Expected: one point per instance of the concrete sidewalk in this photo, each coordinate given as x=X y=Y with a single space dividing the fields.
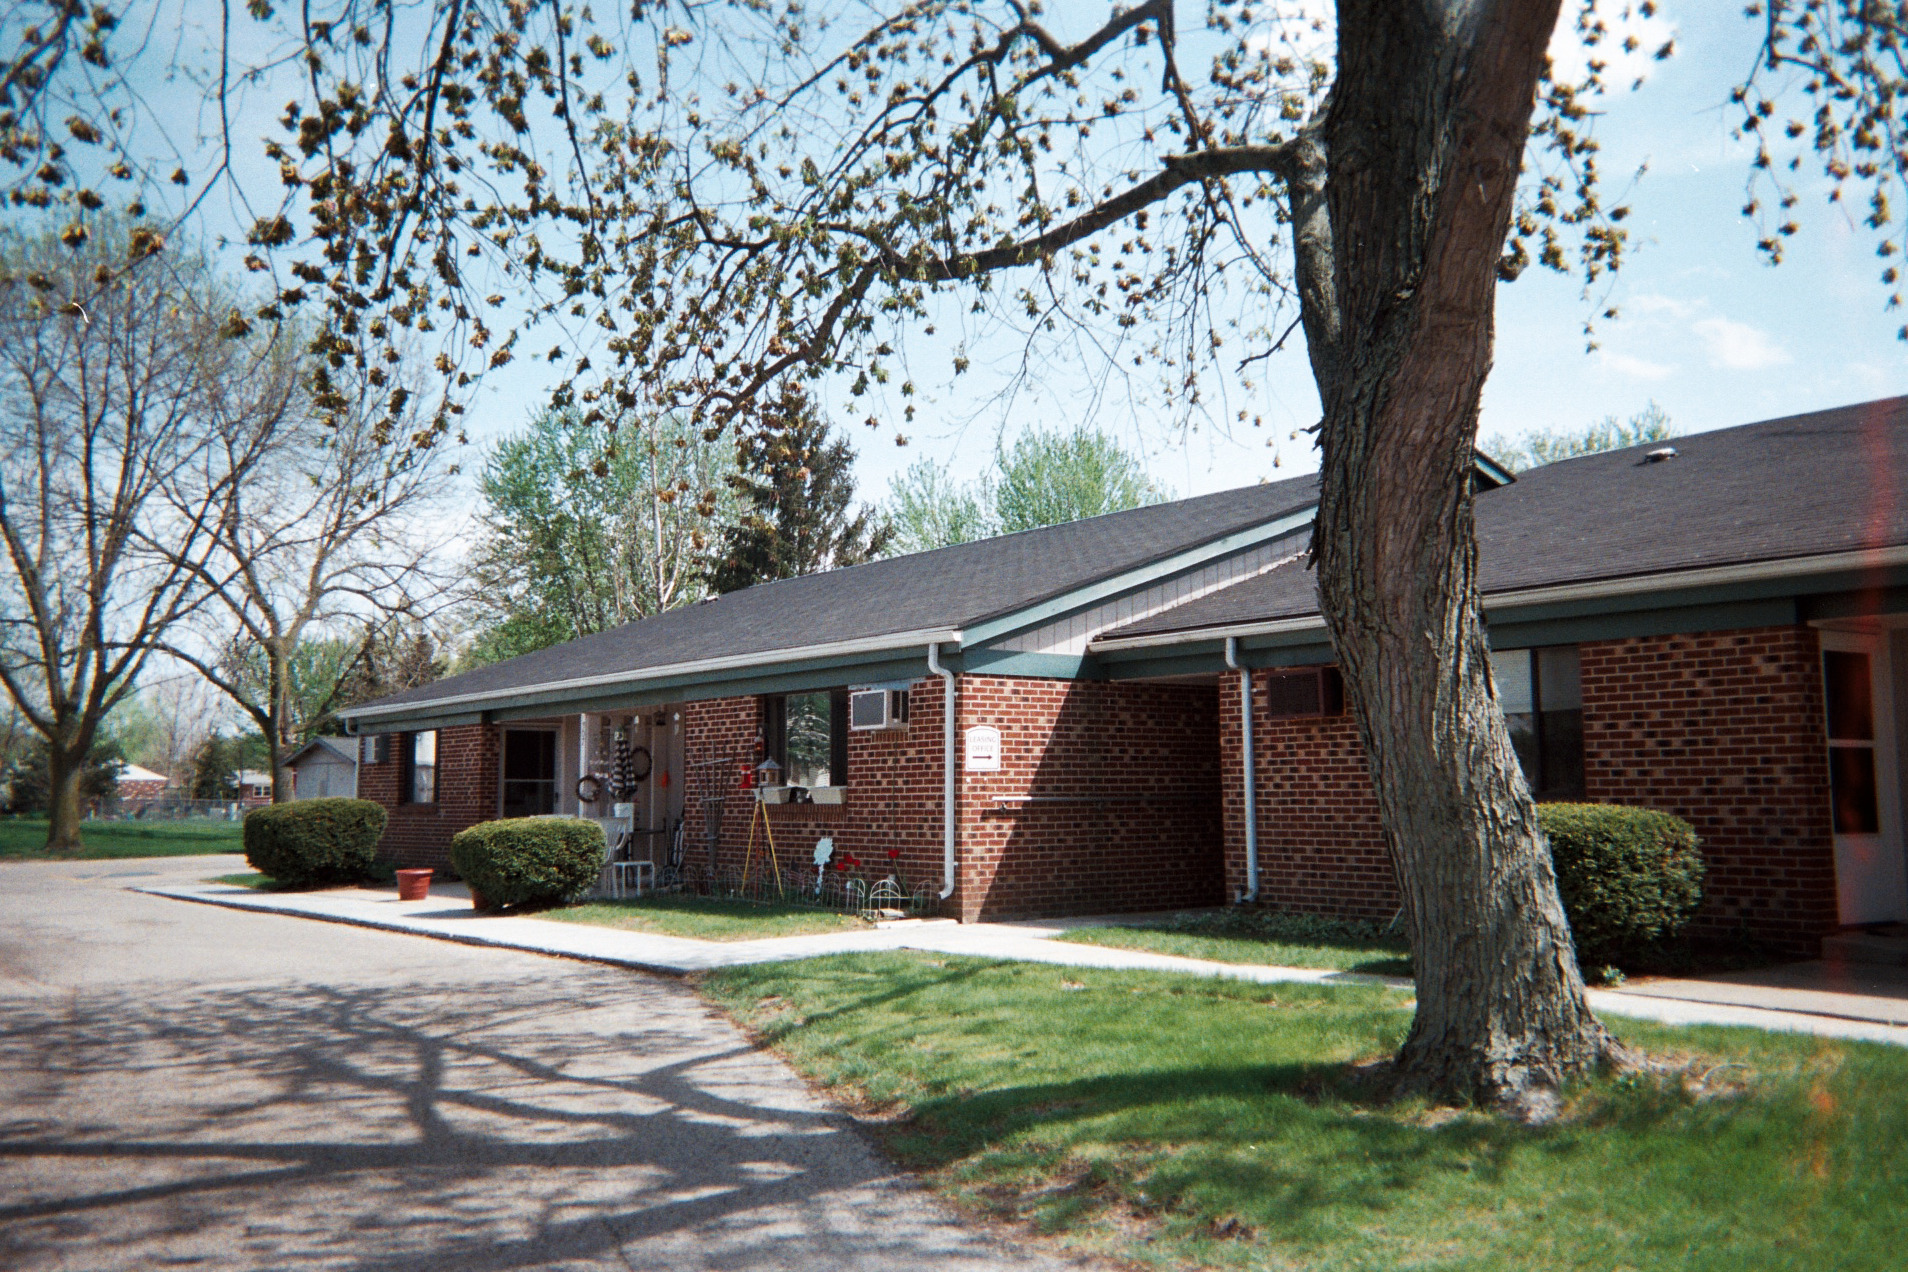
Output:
x=1795 y=1000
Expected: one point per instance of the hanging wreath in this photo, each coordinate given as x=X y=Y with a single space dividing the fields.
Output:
x=589 y=788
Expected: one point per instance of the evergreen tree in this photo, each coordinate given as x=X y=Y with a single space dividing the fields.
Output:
x=29 y=780
x=796 y=486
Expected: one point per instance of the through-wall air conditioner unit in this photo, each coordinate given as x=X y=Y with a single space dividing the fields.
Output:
x=878 y=710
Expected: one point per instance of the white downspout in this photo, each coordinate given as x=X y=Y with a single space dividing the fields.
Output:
x=1251 y=797
x=947 y=771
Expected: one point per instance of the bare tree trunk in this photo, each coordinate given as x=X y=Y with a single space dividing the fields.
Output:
x=273 y=721
x=1425 y=134
x=64 y=773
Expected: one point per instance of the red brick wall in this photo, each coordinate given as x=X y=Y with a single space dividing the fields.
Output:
x=1123 y=777
x=1723 y=729
x=893 y=801
x=1107 y=798
x=417 y=835
x=1726 y=731
x=1320 y=846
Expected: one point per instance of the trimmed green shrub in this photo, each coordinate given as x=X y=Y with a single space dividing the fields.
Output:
x=529 y=860
x=314 y=840
x=1629 y=876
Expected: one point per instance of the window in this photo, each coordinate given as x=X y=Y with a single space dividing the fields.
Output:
x=807 y=734
x=1542 y=698
x=1848 y=684
x=1304 y=691
x=419 y=779
x=529 y=772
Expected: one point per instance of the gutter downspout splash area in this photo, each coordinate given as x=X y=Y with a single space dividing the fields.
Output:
x=1251 y=795
x=947 y=771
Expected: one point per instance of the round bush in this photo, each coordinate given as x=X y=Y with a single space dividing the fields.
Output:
x=1628 y=876
x=529 y=860
x=314 y=840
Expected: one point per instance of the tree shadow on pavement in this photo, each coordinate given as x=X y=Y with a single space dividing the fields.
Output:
x=592 y=1117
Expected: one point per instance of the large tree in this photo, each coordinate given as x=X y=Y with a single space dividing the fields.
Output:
x=327 y=532
x=797 y=195
x=130 y=412
x=588 y=527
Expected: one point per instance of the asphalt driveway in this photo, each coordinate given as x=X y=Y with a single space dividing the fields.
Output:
x=182 y=1085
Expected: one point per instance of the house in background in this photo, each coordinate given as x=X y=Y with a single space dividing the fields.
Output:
x=137 y=785
x=253 y=786
x=1140 y=711
x=325 y=768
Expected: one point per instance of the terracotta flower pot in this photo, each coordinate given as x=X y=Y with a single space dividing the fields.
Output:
x=414 y=885
x=478 y=901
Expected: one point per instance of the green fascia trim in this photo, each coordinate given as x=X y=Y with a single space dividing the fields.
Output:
x=1177 y=661
x=1862 y=604
x=1094 y=593
x=793 y=677
x=822 y=673
x=1299 y=649
x=420 y=724
x=1508 y=632
x=1008 y=662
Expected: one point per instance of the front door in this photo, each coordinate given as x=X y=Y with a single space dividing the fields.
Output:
x=1864 y=780
x=529 y=772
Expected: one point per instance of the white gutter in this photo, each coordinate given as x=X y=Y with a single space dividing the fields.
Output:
x=864 y=645
x=947 y=771
x=1601 y=589
x=1251 y=795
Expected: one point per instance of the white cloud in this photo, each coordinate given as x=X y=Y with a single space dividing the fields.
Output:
x=1657 y=303
x=1570 y=57
x=1635 y=368
x=1737 y=346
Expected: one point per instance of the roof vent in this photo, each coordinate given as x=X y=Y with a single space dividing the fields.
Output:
x=1660 y=454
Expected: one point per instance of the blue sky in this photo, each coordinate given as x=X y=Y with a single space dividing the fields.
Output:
x=1707 y=329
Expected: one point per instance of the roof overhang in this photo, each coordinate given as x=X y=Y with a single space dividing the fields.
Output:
x=1726 y=581
x=624 y=683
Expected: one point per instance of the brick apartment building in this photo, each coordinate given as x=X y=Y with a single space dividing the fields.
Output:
x=1719 y=631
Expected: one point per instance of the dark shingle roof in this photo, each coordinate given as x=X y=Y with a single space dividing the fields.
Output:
x=944 y=589
x=1806 y=485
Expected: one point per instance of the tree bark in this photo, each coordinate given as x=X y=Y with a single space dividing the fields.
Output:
x=1425 y=134
x=64 y=774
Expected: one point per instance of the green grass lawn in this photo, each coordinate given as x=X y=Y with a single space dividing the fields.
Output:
x=705 y=919
x=1262 y=936
x=1180 y=1122
x=24 y=839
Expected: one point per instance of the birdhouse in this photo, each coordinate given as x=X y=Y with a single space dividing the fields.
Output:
x=768 y=773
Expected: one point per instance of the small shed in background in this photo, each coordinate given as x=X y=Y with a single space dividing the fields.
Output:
x=325 y=767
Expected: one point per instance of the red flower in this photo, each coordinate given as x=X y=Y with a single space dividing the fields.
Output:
x=894 y=854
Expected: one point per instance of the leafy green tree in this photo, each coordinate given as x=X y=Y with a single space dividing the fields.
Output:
x=796 y=487
x=1050 y=477
x=1044 y=479
x=928 y=509
x=588 y=528
x=1546 y=446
